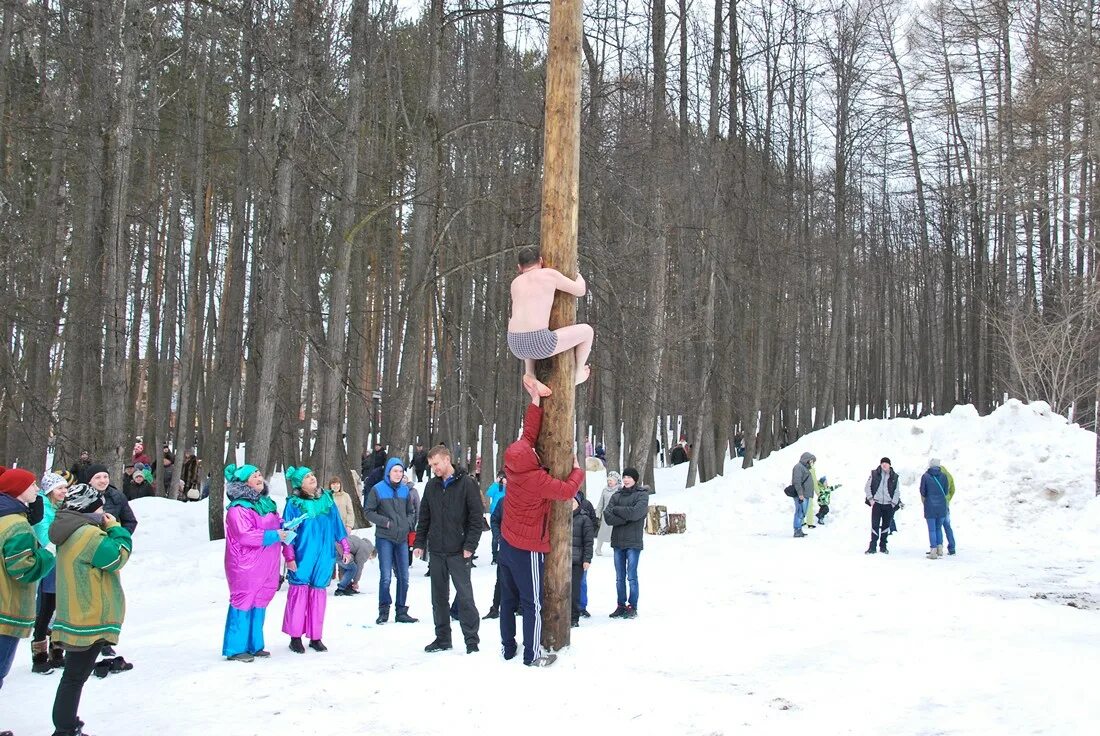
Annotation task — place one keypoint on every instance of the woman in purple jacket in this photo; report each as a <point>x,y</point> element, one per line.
<point>253,539</point>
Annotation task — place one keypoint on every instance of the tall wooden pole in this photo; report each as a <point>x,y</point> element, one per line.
<point>560,187</point>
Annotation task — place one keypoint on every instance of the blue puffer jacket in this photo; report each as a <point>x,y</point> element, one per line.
<point>390,508</point>
<point>933,492</point>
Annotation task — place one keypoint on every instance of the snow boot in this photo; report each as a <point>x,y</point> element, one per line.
<point>403,616</point>
<point>585,613</point>
<point>57,656</point>
<point>870,548</point>
<point>619,612</point>
<point>437,646</point>
<point>630,612</point>
<point>932,554</point>
<point>494,612</point>
<point>799,533</point>
<point>296,645</point>
<point>242,657</point>
<point>383,615</point>
<point>939,551</point>
<point>40,658</point>
<point>261,654</point>
<point>317,645</point>
<point>471,648</point>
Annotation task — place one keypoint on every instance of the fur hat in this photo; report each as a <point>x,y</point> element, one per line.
<point>83,499</point>
<point>15,481</point>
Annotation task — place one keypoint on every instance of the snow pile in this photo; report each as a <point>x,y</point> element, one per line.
<point>741,628</point>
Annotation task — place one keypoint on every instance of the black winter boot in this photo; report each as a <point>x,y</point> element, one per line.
<point>317,646</point>
<point>40,658</point>
<point>296,645</point>
<point>383,615</point>
<point>403,616</point>
<point>494,612</point>
<point>870,547</point>
<point>57,656</point>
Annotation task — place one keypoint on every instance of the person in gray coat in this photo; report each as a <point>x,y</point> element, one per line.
<point>802,480</point>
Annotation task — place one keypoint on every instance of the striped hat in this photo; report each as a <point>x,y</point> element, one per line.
<point>83,499</point>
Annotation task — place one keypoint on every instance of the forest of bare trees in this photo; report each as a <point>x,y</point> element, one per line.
<point>292,223</point>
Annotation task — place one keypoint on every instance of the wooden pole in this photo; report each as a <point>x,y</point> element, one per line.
<point>560,187</point>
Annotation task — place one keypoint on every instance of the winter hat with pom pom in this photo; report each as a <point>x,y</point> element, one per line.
<point>295,476</point>
<point>241,473</point>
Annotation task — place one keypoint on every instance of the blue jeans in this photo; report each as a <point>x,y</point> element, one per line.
<point>799,513</point>
<point>949,532</point>
<point>8,645</point>
<point>935,531</point>
<point>626,568</point>
<point>393,557</point>
<point>584,590</point>
<point>350,571</point>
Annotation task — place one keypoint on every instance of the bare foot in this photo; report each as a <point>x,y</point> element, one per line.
<point>532,384</point>
<point>582,374</point>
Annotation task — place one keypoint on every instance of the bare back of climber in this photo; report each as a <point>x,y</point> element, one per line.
<point>529,335</point>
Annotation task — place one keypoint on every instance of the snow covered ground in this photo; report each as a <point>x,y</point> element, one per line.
<point>741,628</point>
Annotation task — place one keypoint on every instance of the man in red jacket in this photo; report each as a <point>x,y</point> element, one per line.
<point>525,535</point>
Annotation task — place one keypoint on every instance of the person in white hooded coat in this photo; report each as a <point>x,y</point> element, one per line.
<point>614,484</point>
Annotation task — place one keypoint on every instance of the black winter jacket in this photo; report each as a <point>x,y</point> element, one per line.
<point>115,504</point>
<point>450,516</point>
<point>584,533</point>
<point>626,512</point>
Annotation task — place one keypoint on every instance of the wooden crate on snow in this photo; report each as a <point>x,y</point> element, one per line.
<point>656,520</point>
<point>677,523</point>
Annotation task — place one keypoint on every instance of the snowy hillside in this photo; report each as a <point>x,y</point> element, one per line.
<point>741,628</point>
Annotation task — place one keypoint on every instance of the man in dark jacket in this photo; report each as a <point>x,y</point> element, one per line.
<point>525,535</point>
<point>882,495</point>
<point>450,527</point>
<point>584,535</point>
<point>390,508</point>
<point>626,512</point>
<point>114,502</point>
<point>80,467</point>
<point>419,462</point>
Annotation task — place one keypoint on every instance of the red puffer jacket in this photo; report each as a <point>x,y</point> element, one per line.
<point>531,489</point>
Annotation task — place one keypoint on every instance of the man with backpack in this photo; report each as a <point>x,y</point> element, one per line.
<point>882,495</point>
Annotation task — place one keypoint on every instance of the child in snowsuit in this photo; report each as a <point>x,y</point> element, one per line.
<point>824,494</point>
<point>310,557</point>
<point>253,540</point>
